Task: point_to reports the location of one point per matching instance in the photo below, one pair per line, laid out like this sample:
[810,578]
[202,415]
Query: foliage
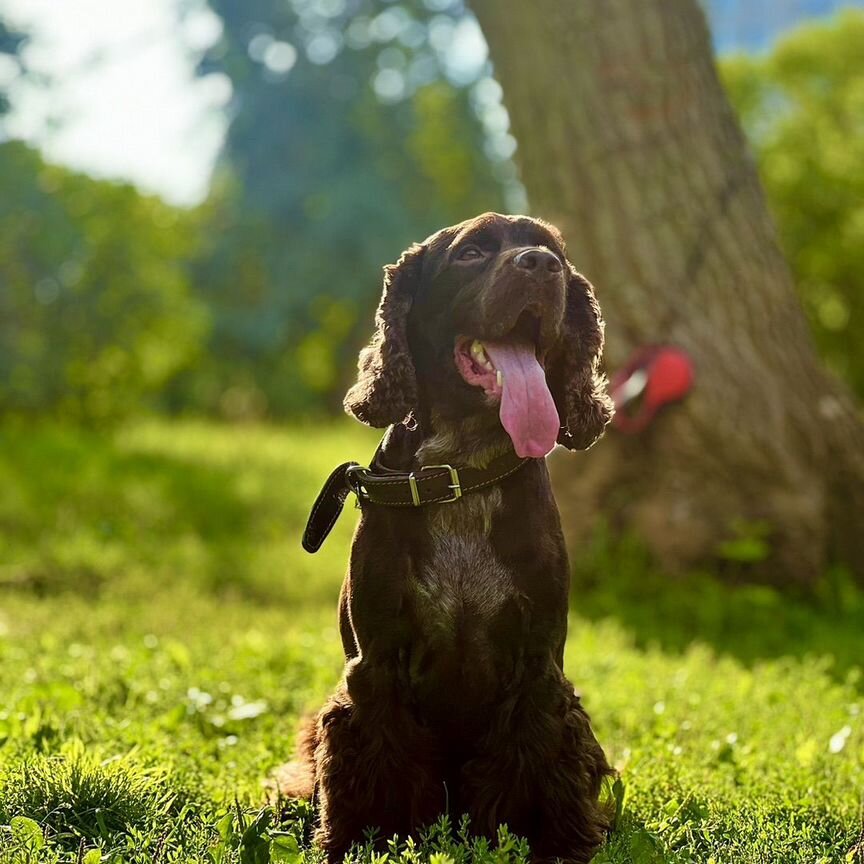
[161,632]
[802,107]
[257,303]
[95,307]
[322,182]
[11,43]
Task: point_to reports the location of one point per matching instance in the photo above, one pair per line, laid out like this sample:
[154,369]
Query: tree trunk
[627,143]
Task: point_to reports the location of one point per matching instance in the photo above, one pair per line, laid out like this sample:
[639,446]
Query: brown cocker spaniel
[453,615]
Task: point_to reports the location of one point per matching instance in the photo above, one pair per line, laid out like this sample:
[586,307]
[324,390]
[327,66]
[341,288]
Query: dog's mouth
[510,372]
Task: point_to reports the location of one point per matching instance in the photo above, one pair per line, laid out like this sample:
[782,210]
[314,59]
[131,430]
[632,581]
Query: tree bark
[627,143]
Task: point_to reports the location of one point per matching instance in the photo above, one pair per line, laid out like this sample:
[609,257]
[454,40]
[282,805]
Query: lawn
[161,632]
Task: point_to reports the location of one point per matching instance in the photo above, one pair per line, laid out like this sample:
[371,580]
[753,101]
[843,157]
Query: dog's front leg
[540,770]
[376,767]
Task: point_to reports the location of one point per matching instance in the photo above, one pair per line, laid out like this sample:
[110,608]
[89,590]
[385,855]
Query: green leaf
[645,848]
[745,550]
[285,848]
[27,832]
[255,844]
[94,856]
[671,807]
[225,827]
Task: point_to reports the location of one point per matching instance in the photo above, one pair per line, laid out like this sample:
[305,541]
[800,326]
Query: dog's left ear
[386,388]
[573,372]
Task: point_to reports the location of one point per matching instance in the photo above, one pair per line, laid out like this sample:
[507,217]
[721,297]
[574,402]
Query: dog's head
[488,316]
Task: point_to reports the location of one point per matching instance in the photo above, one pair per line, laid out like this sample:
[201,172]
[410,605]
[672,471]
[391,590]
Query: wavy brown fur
[453,617]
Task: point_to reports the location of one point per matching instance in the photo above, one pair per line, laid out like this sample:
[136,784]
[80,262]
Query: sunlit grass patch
[75,797]
[168,633]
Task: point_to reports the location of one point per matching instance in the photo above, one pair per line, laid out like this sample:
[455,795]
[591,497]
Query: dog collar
[378,485]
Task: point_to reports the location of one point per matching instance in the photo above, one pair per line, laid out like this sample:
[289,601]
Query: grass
[161,632]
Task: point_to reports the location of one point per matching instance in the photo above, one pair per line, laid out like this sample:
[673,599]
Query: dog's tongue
[527,410]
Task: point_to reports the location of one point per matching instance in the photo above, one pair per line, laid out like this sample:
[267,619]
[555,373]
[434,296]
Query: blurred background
[196,198]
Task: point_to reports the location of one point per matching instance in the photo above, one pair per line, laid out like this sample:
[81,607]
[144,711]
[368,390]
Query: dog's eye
[469,253]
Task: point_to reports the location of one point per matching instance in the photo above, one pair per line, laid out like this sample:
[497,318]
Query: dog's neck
[474,440]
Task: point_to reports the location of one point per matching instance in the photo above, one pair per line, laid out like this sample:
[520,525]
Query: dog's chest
[468,618]
[461,577]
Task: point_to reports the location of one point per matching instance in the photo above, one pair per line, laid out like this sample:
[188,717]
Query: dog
[453,614]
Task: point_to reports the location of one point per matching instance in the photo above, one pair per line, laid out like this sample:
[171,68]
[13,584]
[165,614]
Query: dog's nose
[538,261]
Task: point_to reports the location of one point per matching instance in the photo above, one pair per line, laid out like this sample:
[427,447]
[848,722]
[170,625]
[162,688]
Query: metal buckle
[455,485]
[356,487]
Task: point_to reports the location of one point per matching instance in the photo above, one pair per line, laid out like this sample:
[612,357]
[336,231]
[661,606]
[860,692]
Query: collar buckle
[455,485]
[355,485]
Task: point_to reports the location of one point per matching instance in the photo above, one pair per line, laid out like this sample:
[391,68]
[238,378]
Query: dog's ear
[386,388]
[577,385]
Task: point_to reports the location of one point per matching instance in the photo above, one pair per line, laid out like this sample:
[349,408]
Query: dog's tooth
[499,378]
[478,352]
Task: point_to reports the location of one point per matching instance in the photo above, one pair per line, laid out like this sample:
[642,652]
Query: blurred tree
[345,145]
[627,141]
[95,309]
[11,43]
[802,107]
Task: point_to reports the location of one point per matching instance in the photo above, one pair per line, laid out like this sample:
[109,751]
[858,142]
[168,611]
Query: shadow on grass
[616,579]
[79,511]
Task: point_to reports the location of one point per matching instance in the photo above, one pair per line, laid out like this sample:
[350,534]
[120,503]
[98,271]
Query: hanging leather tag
[327,507]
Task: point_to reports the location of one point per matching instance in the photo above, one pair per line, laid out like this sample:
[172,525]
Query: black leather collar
[379,485]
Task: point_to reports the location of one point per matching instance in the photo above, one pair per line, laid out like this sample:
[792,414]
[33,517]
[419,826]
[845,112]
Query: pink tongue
[527,410]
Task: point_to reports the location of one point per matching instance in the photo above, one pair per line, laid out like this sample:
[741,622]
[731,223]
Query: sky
[123,101]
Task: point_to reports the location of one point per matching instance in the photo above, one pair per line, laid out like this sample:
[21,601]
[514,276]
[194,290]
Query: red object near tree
[655,376]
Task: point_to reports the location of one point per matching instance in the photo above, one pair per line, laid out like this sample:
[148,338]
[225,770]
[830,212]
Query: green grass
[161,632]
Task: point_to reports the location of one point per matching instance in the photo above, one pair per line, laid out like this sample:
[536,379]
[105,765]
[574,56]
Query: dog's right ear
[386,388]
